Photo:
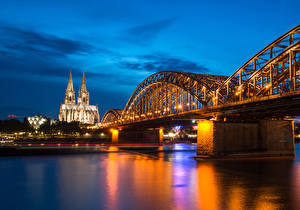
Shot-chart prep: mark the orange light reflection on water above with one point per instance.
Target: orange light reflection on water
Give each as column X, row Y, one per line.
column 113, row 148
column 155, row 180
column 207, row 187
column 236, row 197
column 112, row 181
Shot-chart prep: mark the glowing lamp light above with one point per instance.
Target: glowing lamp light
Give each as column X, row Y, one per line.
column 178, row 127
column 205, row 125
column 113, row 130
column 171, row 134
column 180, row 106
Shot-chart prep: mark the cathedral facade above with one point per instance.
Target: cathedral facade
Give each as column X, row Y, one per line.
column 82, row 112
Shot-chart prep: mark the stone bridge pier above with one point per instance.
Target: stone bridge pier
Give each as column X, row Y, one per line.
column 262, row 138
column 136, row 135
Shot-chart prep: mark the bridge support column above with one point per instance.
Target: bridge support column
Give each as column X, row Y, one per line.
column 245, row 139
column 205, row 138
column 115, row 136
column 161, row 135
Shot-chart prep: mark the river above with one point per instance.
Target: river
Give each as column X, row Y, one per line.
column 139, row 180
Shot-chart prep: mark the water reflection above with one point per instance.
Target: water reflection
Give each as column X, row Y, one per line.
column 135, row 180
column 111, row 181
column 207, row 187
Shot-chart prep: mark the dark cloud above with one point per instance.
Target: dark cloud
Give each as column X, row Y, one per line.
column 162, row 62
column 24, row 41
column 30, row 67
column 25, row 53
column 10, row 65
column 143, row 33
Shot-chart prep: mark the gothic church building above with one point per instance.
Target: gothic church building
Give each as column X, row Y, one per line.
column 82, row 111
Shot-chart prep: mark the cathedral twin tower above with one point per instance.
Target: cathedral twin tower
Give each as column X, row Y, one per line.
column 82, row 111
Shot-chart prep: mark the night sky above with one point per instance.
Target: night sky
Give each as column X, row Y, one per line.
column 120, row 43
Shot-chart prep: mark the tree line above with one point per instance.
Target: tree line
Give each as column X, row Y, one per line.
column 15, row 125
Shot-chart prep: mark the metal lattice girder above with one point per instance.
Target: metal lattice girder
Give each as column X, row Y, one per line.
column 249, row 76
column 111, row 117
column 163, row 92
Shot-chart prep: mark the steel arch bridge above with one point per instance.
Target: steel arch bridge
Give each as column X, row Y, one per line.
column 272, row 72
column 112, row 116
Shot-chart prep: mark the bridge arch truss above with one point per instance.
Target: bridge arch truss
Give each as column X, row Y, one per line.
column 111, row 117
column 272, row 71
column 170, row 92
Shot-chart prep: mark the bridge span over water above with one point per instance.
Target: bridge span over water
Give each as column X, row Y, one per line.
column 244, row 113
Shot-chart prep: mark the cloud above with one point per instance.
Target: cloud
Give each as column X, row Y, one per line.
column 147, row 32
column 162, row 62
column 24, row 41
column 25, row 53
column 33, row 68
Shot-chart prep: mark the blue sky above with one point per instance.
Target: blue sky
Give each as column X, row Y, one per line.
column 119, row 43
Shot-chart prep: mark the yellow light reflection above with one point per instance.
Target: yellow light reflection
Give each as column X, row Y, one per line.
column 266, row 195
column 236, row 196
column 207, row 187
column 112, row 181
column 113, row 149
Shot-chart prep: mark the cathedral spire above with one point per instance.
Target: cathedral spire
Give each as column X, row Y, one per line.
column 83, row 96
column 70, row 83
column 70, row 93
column 83, row 84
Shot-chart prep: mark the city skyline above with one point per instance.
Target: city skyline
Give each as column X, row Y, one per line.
column 120, row 48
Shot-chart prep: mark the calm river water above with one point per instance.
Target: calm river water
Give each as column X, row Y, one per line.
column 136, row 180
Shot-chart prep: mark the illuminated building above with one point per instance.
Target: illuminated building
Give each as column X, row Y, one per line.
column 82, row 111
column 36, row 121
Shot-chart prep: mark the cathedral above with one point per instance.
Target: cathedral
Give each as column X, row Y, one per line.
column 82, row 111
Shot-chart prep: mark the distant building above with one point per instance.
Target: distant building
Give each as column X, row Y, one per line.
column 82, row 111
column 36, row 121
